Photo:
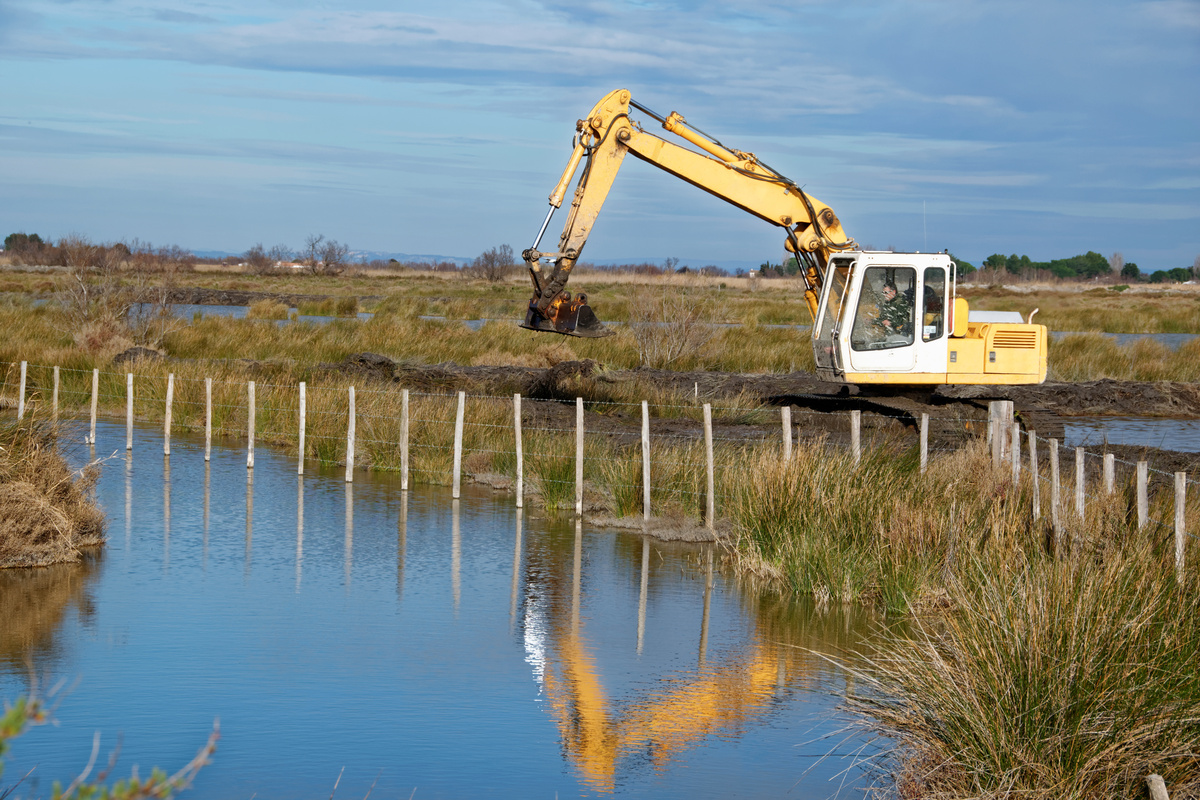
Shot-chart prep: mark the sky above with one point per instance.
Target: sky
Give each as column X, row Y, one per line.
column 1045, row 128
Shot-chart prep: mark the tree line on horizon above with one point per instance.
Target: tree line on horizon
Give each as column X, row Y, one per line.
column 1088, row 266
column 322, row 256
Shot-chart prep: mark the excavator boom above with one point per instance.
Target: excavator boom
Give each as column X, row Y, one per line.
column 602, row 141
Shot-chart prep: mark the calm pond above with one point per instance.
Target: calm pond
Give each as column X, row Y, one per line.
column 426, row 647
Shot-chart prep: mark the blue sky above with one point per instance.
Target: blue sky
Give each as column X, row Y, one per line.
column 1047, row 128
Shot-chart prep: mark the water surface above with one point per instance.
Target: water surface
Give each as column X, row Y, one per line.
column 428, row 647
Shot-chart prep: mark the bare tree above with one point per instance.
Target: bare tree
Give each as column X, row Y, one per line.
column 325, row 256
column 1196, row 268
column 671, row 329
column 1116, row 262
column 259, row 261
column 334, row 257
column 494, row 265
column 311, row 255
column 279, row 254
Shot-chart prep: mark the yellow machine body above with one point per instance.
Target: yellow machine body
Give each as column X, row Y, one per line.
column 879, row 317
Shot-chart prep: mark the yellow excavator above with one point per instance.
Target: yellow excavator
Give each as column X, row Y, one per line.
column 878, row 317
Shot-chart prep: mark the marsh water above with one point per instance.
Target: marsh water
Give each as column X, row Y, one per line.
column 1180, row 435
column 358, row 635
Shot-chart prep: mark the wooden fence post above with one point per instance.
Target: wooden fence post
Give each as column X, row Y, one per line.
column 710, row 479
column 1180, row 533
column 128, row 410
column 1110, row 473
column 167, row 414
column 21, row 394
column 1157, row 787
column 350, row 423
column 458, row 443
column 924, row 442
column 1079, row 481
column 1055, row 494
column 1000, row 418
column 856, row 434
column 785, row 417
column 1015, row 452
column 1143, row 498
column 250, row 426
column 404, row 435
column 95, row 399
column 207, row 419
column 54, row 396
column 993, row 431
column 302, row 424
column 1036, row 476
column 520, row 450
column 645, row 461
column 579, row 456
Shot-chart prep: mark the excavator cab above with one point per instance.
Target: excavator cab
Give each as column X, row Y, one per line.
column 893, row 318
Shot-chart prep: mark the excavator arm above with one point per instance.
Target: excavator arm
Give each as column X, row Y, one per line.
column 603, row 139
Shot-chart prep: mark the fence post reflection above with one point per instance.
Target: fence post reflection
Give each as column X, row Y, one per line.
column 516, row 571
column 641, row 630
column 708, row 587
column 249, row 516
column 455, row 552
column 401, row 544
column 166, row 510
column 299, row 529
column 207, row 495
column 349, row 550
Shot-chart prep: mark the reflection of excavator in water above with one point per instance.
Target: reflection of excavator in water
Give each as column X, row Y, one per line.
column 600, row 732
column 846, row 288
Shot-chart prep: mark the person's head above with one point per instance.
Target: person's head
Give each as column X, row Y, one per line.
column 889, row 291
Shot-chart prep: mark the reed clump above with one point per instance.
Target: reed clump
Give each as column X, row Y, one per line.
column 267, row 309
column 47, row 511
column 1073, row 678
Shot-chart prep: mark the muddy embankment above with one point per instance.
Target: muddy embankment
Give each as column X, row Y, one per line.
column 957, row 413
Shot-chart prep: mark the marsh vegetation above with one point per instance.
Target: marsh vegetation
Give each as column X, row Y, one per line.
column 1054, row 666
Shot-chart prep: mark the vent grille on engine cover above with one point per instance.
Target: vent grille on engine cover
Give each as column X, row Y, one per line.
column 1015, row 340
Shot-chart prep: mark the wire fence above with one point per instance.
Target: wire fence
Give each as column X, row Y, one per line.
column 682, row 460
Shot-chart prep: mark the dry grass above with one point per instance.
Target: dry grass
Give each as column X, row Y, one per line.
column 1067, row 679
column 1141, row 309
column 47, row 512
column 1092, row 356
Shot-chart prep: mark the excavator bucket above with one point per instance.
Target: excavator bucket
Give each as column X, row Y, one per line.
column 570, row 317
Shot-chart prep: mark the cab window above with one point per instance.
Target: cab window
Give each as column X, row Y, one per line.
column 885, row 314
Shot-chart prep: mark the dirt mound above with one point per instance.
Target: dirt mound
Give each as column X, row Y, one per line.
column 135, row 354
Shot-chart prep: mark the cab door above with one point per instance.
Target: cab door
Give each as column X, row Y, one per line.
column 884, row 331
column 932, row 318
